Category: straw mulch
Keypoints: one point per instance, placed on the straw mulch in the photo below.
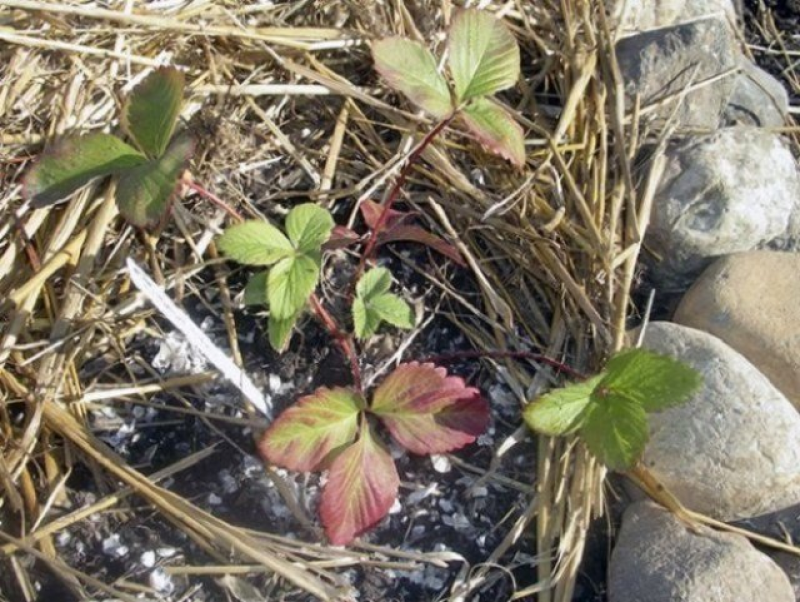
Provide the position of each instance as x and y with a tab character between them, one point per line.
286	107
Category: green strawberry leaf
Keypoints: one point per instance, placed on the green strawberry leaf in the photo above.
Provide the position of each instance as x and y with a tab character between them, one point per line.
362	486
255	293
410	68
255	243
151	111
654	381
144	192
561	411
305	435
72	162
290	284
615	430
373	304
484	55
280	331
429	412
495	129
309	226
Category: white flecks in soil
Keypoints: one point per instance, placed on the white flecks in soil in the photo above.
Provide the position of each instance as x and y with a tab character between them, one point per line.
160	581
113	546
441	464
176	355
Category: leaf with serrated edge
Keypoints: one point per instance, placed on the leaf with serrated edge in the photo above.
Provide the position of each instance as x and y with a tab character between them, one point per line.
280	331
255	242
560	411
428	412
410	68
73	162
655	381
393	309
304	435
361	488
255	293
290	283
375	282
151	111
615	430
308	227
495	129
484	55
144	192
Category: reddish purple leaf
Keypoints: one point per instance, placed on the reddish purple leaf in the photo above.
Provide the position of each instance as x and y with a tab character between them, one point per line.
318	424
403	233
371	212
361	488
428	412
341	237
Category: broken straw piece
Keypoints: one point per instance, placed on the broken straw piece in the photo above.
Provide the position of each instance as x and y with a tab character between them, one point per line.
198	339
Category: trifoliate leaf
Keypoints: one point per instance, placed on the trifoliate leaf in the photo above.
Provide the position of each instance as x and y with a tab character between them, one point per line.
429	412
615	431
308	227
144	192
410	68
290	284
151	111
255	243
484	55
495	129
73	162
255	293
280	331
373	304
652	380
318	424
362	486
560	411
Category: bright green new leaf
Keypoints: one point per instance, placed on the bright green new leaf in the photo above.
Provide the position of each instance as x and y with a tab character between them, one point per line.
484	55
280	331
373	304
616	431
255	293
144	192
309	227
255	243
654	381
495	129
73	162
561	411
151	111
290	283
409	67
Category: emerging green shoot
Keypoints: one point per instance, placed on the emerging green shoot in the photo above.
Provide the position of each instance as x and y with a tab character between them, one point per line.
149	174
483	57
609	411
375	304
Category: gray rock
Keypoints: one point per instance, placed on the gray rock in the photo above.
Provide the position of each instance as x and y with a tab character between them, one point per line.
731	191
732	451
758	99
657	559
643	15
658	65
750	301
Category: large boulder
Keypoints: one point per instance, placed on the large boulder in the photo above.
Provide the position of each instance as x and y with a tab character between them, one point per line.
731	191
642	15
658	559
752	302
758	98
659	65
732	451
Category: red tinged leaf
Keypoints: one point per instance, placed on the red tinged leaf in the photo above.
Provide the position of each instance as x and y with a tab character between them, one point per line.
341	237
428	412
361	488
371	212
402	233
318	424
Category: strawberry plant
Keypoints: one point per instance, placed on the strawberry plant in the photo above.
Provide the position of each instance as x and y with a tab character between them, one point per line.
148	171
609	411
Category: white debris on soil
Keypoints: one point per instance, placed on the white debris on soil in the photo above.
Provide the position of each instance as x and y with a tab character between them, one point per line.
396	508
213	499
148	559
441	464
114	547
161	581
415	497
177	355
